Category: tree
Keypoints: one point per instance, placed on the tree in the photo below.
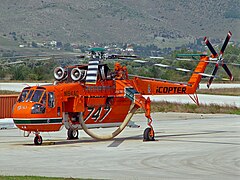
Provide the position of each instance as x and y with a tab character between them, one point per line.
67	47
59	44
19	72
34	45
2	73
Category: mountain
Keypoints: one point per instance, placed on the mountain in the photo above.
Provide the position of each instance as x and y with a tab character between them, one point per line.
159	22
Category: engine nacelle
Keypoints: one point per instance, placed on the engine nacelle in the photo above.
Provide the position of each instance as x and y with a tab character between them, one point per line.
60	73
78	74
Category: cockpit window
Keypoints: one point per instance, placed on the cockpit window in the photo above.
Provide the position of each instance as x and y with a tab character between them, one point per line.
37	95
51	99
23	95
29	95
43	100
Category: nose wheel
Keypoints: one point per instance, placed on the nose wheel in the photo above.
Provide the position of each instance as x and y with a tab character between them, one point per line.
38	140
72	134
148	134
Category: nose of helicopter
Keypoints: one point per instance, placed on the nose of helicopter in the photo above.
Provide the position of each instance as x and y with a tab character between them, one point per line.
28	110
22	109
31	116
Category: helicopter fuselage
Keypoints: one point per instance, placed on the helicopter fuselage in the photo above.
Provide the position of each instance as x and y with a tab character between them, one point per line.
47	108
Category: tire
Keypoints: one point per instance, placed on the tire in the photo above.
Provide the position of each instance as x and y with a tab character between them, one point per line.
38	140
147	135
72	134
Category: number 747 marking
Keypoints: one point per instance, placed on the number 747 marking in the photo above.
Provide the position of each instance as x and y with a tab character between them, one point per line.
96	113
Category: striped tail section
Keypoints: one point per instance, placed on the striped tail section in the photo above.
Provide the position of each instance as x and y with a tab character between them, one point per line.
92	71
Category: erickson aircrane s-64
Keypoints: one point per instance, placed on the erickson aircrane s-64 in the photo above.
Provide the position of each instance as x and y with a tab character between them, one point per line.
92	96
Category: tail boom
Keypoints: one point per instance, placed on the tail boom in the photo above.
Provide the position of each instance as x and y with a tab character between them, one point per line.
196	77
163	87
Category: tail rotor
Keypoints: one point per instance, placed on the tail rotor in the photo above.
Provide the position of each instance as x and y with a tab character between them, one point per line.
219	58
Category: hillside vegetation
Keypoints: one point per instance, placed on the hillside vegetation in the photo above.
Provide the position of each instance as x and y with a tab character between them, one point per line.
137	21
33	70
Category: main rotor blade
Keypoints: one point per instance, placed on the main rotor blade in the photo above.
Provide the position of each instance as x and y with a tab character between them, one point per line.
193	60
213	74
227	71
226	42
212	60
234	64
140	61
188	71
158	79
171	67
156	57
209	45
194	72
118	56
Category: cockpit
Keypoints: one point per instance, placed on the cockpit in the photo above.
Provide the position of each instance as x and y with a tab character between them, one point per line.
40	97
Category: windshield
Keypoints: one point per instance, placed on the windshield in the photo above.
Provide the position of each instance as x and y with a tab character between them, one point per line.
37	95
29	95
43	100
23	95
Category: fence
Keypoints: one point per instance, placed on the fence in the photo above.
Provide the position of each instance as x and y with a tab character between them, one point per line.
6	105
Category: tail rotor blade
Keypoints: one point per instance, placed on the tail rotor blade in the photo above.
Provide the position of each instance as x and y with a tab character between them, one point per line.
209	45
210	82
213	74
226	42
227	71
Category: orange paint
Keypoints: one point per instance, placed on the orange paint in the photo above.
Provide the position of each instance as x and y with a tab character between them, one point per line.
47	108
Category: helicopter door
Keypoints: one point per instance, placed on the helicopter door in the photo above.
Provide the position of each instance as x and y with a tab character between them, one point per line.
51	105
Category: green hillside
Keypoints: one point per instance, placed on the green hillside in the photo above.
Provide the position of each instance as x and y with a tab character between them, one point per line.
138	21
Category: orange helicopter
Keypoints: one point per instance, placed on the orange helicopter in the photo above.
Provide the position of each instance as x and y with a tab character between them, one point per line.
92	96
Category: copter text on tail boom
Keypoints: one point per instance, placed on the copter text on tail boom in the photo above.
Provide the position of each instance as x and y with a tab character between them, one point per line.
169	90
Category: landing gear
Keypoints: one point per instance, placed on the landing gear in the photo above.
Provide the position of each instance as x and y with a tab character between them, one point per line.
72	134
148	134
38	139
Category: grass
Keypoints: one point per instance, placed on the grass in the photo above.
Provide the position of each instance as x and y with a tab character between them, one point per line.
164	106
7	42
6	92
222	91
35	178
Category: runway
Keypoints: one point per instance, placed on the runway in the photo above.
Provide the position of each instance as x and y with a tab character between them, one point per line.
187	146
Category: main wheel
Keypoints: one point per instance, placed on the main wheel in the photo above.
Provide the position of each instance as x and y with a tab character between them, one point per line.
147	135
38	140
72	134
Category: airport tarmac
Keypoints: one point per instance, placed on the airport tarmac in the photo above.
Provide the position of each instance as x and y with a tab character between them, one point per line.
187	146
